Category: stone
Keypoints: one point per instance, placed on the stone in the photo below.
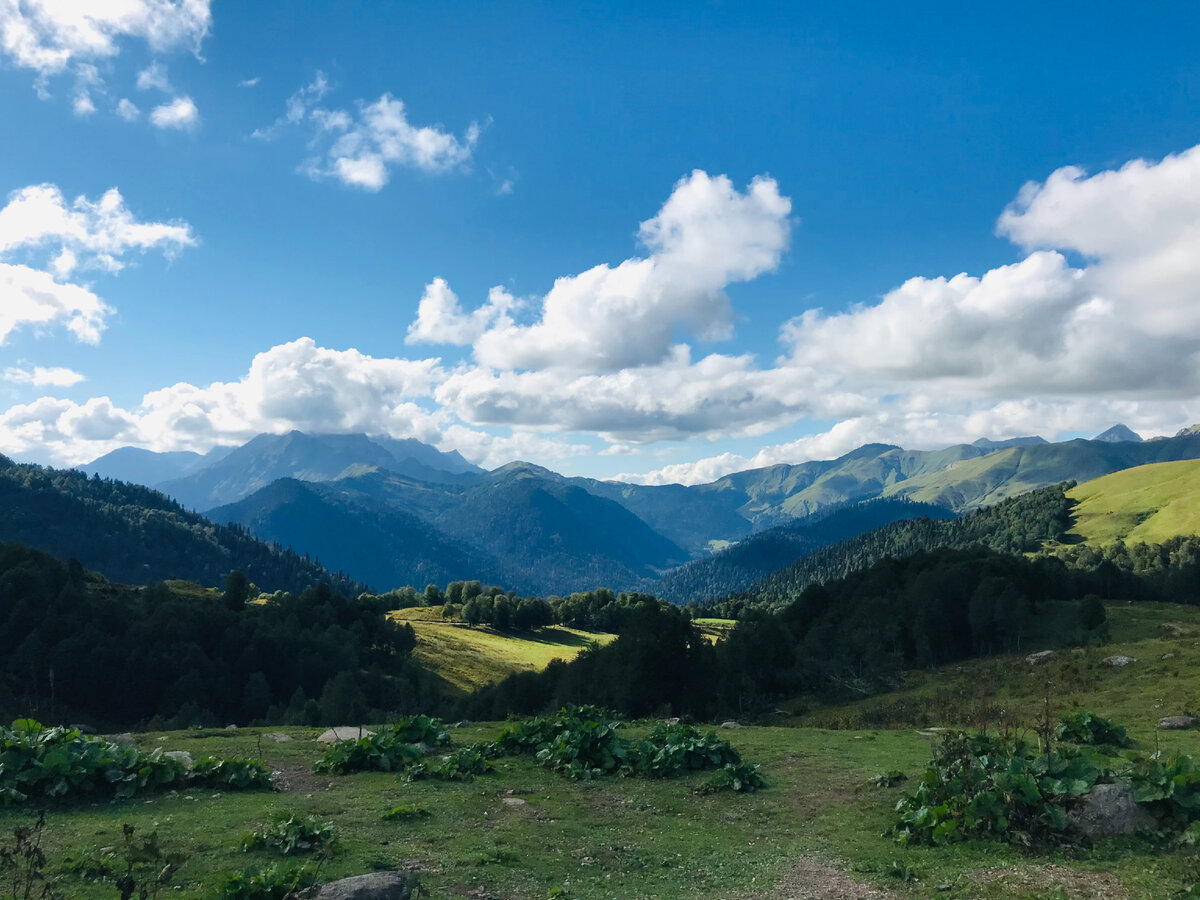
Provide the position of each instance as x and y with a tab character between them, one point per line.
1176	723
1036	659
343	733
674	720
376	886
279	737
181	756
1109	809
126	739
730	724
1119	661
463	724
1170	655
512	801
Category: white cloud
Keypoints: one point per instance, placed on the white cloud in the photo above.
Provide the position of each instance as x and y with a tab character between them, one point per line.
53	37
360	148
44	239
128	110
440	319
154	78
180	114
250	82
39	376
707	236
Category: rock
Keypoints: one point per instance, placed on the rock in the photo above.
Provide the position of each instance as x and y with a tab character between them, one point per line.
376	886
730	724
672	721
127	739
463	724
1119	661
1176	723
1036	659
512	801
231	728
279	737
343	733
181	756
1109	809
1167	656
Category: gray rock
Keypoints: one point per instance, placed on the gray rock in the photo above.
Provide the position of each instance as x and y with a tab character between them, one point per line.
279	737
1036	659
181	756
730	724
1176	723
343	733
376	886
1119	661
1170	655
672	721
512	801
1109	809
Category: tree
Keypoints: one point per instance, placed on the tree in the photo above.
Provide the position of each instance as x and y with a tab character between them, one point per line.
433	595
471	612
237	590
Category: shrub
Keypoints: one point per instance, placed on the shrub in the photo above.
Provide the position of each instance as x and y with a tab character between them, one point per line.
672	750
239	773
406	813
392	748
739	777
1085	727
265	884
292	835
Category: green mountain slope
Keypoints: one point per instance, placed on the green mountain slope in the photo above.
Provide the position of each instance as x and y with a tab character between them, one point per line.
382	546
737	567
1148	503
988	479
137	535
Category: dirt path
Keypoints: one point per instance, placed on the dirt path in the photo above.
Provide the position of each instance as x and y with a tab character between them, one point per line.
812	878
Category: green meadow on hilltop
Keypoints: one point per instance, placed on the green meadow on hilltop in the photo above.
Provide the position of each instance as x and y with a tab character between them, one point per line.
1148	504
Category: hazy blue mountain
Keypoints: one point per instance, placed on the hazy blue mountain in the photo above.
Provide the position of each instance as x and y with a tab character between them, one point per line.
137	535
1117	434
145	467
384	546
309	457
1029	440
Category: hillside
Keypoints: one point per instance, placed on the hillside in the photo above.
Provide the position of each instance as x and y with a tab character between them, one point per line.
1018	525
1147	503
468	657
137	535
383	546
740	565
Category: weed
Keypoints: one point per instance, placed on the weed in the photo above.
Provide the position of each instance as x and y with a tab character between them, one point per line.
22	862
292	835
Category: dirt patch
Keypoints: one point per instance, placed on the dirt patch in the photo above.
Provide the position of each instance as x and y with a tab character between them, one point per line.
812	878
1079	884
297	778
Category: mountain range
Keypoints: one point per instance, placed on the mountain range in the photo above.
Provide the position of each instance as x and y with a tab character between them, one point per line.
394	512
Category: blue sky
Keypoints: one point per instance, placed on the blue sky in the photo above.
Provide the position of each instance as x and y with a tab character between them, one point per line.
427	220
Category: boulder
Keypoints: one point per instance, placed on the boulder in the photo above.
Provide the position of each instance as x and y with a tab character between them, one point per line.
180	756
343	733
1176	723
730	724
278	737
376	886
1109	809
1119	661
1036	659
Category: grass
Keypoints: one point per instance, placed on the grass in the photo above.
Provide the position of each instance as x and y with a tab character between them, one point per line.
662	839
467	657
1147	503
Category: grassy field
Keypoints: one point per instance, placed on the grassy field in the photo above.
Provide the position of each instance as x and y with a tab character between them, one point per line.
1147	503
818	828
467	657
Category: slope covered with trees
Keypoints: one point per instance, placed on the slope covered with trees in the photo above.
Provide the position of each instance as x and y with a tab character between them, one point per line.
741	565
1019	525
137	535
75	646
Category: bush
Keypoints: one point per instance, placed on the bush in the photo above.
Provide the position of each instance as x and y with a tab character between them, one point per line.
1085	727
979	786
739	777
265	884
291	835
238	773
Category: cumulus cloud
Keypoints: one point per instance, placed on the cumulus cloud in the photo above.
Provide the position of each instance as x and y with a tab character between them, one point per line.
707	236
52	37
128	110
44	239
180	115
43	377
440	319
359	148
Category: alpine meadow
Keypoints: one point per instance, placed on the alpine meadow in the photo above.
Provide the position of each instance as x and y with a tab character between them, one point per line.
628	451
